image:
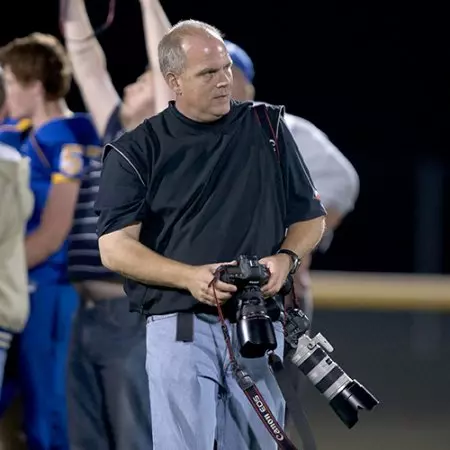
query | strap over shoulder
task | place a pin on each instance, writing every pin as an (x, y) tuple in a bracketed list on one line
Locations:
[(270, 117)]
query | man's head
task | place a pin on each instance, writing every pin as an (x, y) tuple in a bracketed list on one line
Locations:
[(195, 63), (243, 73), (138, 99), (36, 71)]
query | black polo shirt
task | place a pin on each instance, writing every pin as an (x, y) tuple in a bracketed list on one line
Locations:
[(204, 192)]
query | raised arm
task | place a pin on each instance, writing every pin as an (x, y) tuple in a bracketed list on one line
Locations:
[(156, 25), (89, 64)]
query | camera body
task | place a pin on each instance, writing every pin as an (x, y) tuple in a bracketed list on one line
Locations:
[(248, 272), (255, 330)]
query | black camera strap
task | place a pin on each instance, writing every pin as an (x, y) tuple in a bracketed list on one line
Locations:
[(251, 391), (292, 401), (262, 115)]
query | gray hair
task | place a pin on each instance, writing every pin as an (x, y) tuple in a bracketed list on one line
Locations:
[(171, 55), (2, 89)]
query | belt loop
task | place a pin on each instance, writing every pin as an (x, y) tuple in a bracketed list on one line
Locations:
[(185, 327)]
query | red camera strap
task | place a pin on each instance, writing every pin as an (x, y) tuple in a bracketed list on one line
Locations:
[(249, 388)]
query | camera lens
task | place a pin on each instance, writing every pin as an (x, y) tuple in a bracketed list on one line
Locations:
[(346, 396), (256, 335)]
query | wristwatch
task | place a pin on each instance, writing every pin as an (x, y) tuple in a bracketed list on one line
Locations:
[(294, 257)]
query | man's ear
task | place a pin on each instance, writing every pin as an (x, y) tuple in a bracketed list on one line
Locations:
[(174, 83)]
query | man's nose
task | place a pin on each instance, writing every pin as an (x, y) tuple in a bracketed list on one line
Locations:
[(223, 82)]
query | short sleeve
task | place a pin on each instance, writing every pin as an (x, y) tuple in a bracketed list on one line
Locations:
[(333, 174), (68, 162), (302, 198), (121, 200)]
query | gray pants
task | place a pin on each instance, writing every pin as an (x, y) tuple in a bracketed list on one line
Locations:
[(195, 398), (107, 389)]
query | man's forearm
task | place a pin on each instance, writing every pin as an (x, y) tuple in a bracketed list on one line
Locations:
[(133, 260), (39, 246), (303, 237)]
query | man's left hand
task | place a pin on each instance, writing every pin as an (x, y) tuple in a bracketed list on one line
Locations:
[(279, 267)]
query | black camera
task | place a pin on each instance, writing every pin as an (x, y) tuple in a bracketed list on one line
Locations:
[(255, 330), (345, 395)]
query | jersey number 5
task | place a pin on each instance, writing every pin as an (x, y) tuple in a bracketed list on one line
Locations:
[(71, 161)]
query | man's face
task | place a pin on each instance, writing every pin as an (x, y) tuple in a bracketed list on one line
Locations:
[(138, 99), (21, 100), (204, 86)]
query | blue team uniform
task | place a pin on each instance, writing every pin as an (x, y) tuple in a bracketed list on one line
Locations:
[(59, 152), (8, 121), (13, 132)]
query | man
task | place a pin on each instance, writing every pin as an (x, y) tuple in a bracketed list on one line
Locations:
[(189, 189), (334, 176), (37, 78), (15, 208), (143, 98)]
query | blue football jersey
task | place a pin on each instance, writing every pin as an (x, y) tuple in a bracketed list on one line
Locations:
[(59, 152)]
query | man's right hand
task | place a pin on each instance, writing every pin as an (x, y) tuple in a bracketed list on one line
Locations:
[(200, 286)]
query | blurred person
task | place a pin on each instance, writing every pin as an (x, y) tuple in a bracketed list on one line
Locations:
[(191, 187), (108, 389), (14, 314), (4, 117), (332, 173), (15, 208), (145, 97), (37, 79), (334, 176)]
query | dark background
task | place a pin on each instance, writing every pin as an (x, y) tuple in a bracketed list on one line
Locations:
[(372, 76)]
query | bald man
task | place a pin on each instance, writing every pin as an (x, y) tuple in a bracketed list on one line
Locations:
[(189, 190)]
